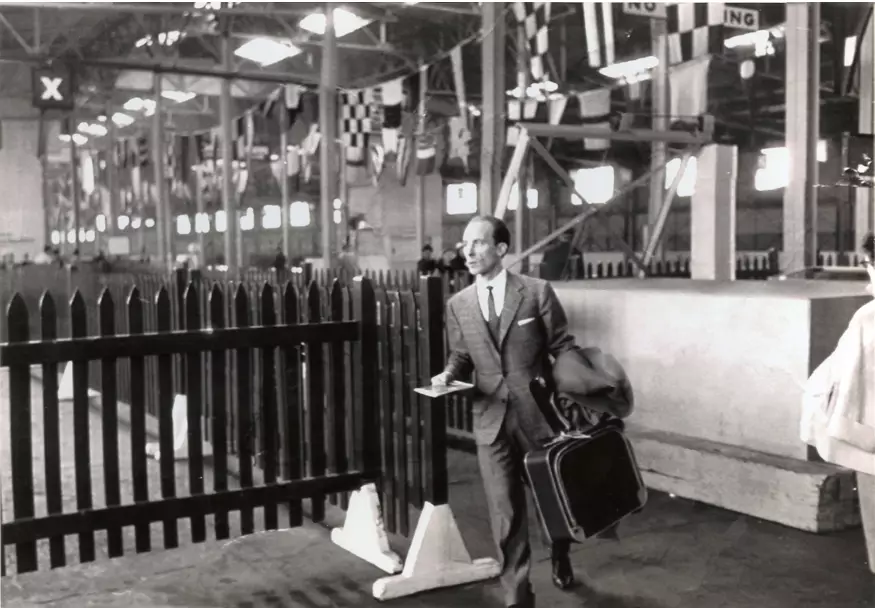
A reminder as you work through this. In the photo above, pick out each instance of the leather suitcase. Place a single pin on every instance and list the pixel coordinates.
(583, 483)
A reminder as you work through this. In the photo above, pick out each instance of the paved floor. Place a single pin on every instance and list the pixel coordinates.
(676, 554)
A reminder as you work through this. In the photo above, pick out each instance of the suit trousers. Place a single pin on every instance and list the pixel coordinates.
(501, 466)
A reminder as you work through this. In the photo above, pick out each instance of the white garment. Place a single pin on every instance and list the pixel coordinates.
(838, 415)
(499, 287)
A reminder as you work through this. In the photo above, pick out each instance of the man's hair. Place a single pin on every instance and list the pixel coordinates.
(500, 232)
(427, 247)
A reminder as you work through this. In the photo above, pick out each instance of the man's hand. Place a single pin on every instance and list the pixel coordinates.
(442, 379)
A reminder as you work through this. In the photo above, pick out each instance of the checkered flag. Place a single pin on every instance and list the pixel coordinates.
(355, 124)
(694, 30)
(535, 18)
(598, 32)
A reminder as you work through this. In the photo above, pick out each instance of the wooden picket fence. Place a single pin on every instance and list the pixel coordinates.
(300, 394)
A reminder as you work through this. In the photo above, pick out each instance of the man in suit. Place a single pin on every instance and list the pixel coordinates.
(503, 327)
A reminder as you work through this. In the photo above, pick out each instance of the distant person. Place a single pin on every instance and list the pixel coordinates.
(44, 258)
(279, 261)
(426, 265)
(457, 263)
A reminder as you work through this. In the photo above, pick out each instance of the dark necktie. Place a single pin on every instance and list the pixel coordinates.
(492, 321)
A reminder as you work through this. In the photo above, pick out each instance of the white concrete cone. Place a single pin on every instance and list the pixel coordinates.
(364, 533)
(180, 434)
(65, 388)
(437, 558)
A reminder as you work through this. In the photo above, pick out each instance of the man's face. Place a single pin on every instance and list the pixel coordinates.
(481, 253)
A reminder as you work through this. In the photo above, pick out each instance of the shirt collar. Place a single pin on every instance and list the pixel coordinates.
(498, 281)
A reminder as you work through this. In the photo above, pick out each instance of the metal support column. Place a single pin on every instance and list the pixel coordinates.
(284, 175)
(802, 94)
(520, 217)
(492, 48)
(163, 220)
(864, 198)
(199, 206)
(660, 109)
(419, 180)
(231, 220)
(328, 127)
(77, 190)
(112, 181)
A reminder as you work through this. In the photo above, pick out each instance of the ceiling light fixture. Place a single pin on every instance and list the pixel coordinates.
(345, 23)
(266, 51)
(121, 119)
(177, 96)
(629, 69)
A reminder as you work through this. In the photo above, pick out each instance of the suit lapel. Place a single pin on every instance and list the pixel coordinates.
(513, 297)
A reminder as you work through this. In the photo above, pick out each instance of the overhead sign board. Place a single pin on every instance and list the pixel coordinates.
(645, 9)
(52, 88)
(741, 18)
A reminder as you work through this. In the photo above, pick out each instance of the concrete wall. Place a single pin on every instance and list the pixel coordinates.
(723, 362)
(390, 209)
(21, 197)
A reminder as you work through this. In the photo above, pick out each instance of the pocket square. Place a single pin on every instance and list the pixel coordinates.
(525, 321)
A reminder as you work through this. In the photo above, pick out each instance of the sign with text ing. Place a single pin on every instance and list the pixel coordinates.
(741, 18)
(645, 9)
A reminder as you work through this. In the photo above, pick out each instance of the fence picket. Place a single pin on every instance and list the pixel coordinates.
(399, 411)
(109, 423)
(81, 425)
(293, 431)
(20, 435)
(316, 401)
(269, 423)
(219, 364)
(337, 448)
(52, 430)
(164, 316)
(244, 408)
(191, 309)
(139, 466)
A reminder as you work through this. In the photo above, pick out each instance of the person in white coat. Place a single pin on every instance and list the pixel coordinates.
(839, 408)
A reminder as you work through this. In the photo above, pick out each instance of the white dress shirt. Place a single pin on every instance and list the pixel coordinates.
(499, 287)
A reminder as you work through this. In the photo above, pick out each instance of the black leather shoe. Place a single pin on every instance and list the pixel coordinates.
(563, 573)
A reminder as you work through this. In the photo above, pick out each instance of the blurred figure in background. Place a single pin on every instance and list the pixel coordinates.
(838, 416)
(427, 265)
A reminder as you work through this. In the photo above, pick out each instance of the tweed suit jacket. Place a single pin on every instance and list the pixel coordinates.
(533, 327)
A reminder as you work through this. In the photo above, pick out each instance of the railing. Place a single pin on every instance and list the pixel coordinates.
(300, 395)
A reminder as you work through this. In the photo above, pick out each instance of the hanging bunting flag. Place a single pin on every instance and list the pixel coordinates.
(534, 17)
(309, 147)
(355, 124)
(598, 32)
(694, 30)
(688, 89)
(595, 110)
(378, 161)
(459, 82)
(556, 109)
(393, 98)
(460, 140)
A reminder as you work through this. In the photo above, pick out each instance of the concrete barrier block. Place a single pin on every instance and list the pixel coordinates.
(811, 496)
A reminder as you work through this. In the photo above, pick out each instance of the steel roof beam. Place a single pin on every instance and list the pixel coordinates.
(593, 132)
(183, 70)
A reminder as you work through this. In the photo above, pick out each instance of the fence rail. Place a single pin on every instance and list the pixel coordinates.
(288, 388)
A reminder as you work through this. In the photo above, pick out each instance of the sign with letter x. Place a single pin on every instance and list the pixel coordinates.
(52, 88)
